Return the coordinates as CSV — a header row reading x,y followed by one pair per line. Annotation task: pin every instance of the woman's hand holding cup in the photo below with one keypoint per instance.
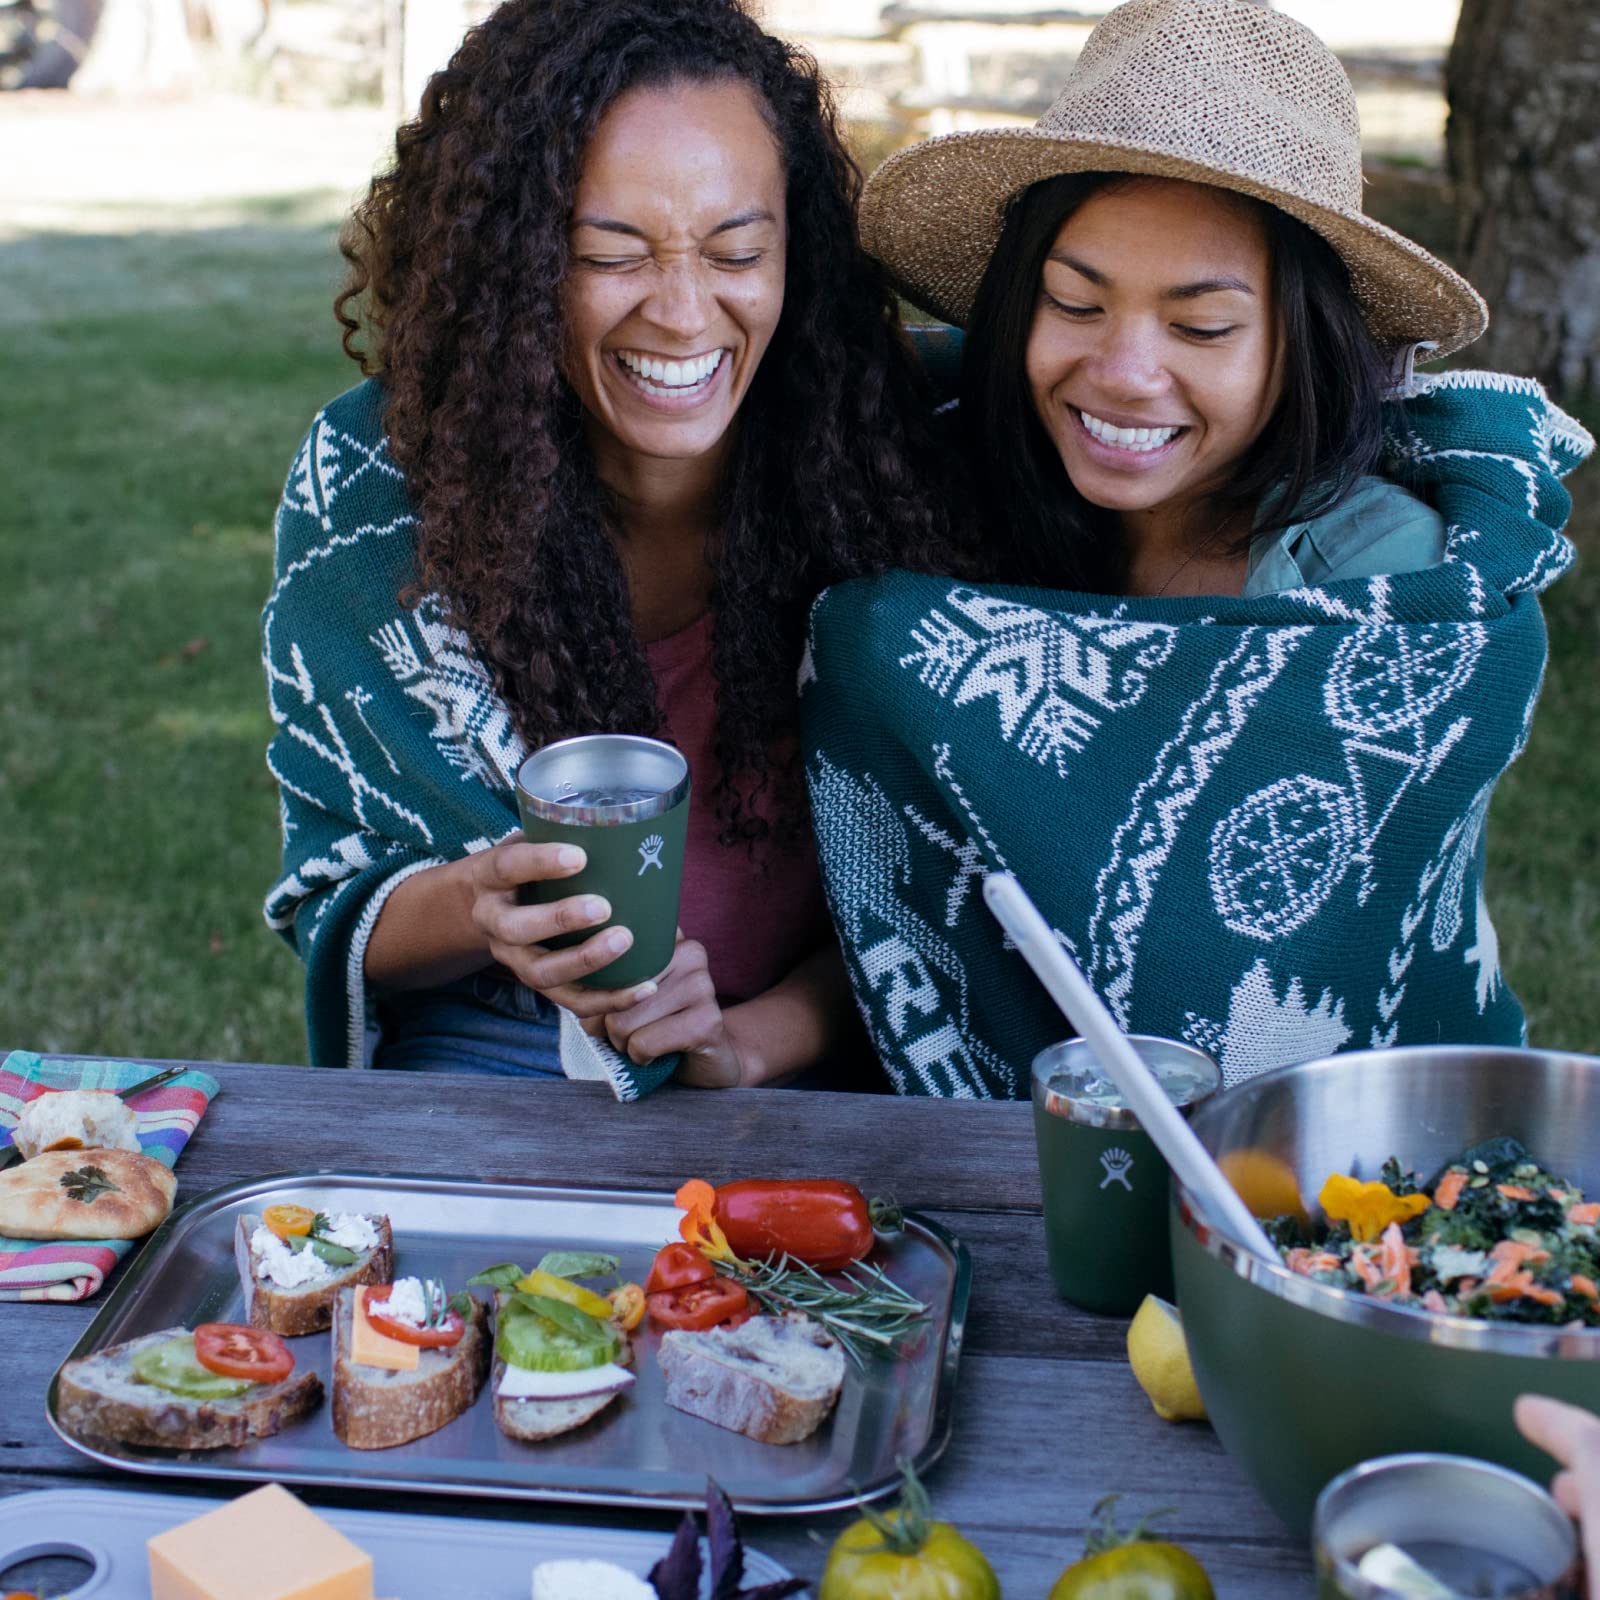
x,y
517,933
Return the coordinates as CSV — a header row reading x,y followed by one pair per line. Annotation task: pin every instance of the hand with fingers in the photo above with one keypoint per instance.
x,y
1572,1436
679,1013
517,934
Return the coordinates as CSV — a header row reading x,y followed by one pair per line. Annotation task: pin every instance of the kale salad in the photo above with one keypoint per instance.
x,y
1493,1235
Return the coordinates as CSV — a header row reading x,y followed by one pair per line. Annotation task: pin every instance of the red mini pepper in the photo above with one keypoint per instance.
x,y
822,1221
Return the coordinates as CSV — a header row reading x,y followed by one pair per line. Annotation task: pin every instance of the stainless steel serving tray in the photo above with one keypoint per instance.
x,y
640,1452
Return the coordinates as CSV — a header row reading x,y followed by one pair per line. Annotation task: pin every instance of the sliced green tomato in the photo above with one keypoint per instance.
x,y
171,1365
539,1343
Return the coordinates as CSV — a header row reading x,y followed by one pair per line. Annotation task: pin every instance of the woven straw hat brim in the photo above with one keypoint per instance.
x,y
932,214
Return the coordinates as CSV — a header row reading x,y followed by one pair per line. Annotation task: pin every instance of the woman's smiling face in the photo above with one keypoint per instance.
x,y
676,280
1153,359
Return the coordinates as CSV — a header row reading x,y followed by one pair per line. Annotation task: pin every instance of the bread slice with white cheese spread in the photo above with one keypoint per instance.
x,y
306,1305
773,1378
100,1397
375,1407
541,1405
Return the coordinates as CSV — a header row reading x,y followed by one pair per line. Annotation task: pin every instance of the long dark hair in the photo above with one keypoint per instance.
x,y
1325,432
456,260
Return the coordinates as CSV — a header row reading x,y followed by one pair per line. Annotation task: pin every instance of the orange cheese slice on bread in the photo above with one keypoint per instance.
x,y
369,1348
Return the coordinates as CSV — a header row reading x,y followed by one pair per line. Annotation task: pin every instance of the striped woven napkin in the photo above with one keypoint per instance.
x,y
74,1269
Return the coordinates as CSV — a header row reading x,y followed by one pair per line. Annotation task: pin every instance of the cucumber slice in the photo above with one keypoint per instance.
x,y
171,1365
540,1344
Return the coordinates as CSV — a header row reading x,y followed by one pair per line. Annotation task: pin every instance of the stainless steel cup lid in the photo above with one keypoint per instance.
x,y
1068,1080
603,779
1469,1522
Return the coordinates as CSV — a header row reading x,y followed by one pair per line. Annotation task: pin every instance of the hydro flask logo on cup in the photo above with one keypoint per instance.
x,y
1118,1164
650,854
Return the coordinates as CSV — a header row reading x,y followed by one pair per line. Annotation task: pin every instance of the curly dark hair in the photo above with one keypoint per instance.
x,y
457,256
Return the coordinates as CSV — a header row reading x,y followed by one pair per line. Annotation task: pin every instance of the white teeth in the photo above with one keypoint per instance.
x,y
677,375
1137,440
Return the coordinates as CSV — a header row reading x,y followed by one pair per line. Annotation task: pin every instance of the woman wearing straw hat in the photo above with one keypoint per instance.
x,y
1241,748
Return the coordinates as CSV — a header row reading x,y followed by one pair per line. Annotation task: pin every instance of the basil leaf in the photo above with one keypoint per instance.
x,y
578,1264
576,1324
505,1275
461,1304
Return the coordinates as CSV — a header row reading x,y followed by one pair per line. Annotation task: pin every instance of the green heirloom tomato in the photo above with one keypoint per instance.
x,y
1132,1566
904,1555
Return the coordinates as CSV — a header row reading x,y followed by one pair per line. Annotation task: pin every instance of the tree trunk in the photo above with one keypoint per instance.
x,y
1523,142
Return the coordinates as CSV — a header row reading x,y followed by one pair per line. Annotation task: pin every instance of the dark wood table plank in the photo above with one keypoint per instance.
x,y
1048,1416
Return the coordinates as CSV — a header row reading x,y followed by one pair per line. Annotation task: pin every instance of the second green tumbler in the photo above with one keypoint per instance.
x,y
624,800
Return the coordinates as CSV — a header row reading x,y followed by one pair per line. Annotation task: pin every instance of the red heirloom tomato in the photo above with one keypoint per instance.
x,y
700,1305
447,1332
232,1351
821,1221
676,1266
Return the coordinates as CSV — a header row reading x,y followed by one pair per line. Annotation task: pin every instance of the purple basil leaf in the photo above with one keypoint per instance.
x,y
773,1591
676,1576
727,1549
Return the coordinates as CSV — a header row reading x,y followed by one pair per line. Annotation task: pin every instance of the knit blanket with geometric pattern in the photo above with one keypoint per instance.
x,y
392,751
1257,824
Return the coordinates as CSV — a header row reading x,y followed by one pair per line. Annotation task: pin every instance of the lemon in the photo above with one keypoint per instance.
x,y
1265,1182
1159,1356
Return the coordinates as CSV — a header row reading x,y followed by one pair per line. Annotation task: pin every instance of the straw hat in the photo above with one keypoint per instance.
x,y
1225,92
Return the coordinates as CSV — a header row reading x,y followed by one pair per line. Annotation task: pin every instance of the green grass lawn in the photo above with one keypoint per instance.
x,y
156,386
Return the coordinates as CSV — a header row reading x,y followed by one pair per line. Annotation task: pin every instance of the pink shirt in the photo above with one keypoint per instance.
x,y
758,918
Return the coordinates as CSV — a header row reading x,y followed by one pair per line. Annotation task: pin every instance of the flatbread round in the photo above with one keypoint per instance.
x,y
85,1194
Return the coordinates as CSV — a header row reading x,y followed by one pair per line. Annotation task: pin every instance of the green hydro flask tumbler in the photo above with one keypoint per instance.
x,y
624,800
1104,1182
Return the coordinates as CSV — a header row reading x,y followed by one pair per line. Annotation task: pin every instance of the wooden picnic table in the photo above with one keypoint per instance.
x,y
1048,1417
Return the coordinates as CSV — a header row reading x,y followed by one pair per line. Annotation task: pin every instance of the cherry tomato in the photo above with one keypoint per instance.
x,y
676,1266
627,1306
700,1305
446,1333
289,1222
232,1351
820,1221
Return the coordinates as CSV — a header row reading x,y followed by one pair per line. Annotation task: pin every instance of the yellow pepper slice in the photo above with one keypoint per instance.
x,y
574,1294
1369,1208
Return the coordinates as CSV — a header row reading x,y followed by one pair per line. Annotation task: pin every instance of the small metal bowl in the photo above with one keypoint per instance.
x,y
1442,1500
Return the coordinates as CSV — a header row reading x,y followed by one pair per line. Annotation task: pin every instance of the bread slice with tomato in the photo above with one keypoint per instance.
x,y
154,1391
399,1377
292,1263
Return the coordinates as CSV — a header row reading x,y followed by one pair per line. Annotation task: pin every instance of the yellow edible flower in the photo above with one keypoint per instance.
x,y
1369,1208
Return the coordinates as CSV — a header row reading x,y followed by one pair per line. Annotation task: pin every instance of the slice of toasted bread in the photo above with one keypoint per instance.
x,y
520,1417
98,1397
374,1408
774,1378
308,1309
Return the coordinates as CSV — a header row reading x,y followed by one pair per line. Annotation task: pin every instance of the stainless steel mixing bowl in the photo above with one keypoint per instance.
x,y
1301,1380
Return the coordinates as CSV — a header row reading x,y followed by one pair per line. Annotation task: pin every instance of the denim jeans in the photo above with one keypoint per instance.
x,y
482,1023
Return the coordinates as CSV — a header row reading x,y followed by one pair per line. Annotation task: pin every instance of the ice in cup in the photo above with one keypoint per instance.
x,y
624,800
1104,1181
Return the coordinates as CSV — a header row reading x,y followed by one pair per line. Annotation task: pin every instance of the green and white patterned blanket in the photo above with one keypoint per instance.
x,y
1257,824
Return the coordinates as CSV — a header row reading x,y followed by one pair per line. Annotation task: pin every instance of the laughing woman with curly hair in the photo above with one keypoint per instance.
x,y
634,396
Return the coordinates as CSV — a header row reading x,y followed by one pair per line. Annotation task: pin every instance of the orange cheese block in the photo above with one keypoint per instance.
x,y
369,1348
266,1545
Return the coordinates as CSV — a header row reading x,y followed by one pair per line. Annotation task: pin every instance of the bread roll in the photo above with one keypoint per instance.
x,y
75,1119
85,1194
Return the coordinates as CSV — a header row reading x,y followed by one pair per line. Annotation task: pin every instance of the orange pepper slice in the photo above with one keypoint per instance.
x,y
289,1222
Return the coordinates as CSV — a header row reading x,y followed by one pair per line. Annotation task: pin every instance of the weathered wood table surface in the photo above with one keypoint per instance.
x,y
1048,1417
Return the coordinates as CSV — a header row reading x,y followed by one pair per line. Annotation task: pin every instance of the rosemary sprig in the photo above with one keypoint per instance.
x,y
867,1314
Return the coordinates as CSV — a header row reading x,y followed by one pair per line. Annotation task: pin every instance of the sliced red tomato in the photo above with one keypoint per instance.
x,y
700,1305
676,1266
233,1351
447,1332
